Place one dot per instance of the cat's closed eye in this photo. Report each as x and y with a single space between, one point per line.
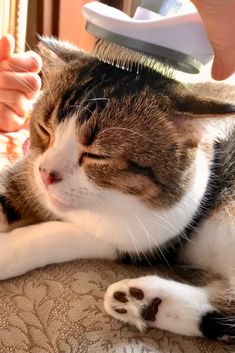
92 156
147 171
44 133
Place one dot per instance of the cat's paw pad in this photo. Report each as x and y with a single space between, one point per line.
129 301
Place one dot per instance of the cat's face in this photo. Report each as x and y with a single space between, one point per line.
100 135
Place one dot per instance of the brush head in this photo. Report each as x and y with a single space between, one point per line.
130 60
138 55
179 41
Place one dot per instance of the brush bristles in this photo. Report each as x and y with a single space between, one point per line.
128 59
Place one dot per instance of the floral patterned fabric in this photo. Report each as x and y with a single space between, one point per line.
59 309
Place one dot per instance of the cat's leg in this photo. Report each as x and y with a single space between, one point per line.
173 306
158 302
19 204
185 309
27 248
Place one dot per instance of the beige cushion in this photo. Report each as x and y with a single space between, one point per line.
59 309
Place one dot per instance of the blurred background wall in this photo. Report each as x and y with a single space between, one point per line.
61 18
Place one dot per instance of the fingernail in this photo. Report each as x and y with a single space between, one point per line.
221 71
36 60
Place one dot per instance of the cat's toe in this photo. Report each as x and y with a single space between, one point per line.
130 303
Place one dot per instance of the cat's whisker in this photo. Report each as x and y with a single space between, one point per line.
82 107
101 202
164 210
123 129
167 222
133 241
9 101
150 236
136 243
12 66
181 234
27 44
28 86
163 226
145 230
47 83
98 99
95 100
76 105
28 192
161 252
19 175
13 28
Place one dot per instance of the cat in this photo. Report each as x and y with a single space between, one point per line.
133 167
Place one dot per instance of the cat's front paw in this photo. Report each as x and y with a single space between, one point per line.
131 301
157 302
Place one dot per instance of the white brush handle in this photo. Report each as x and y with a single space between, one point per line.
184 33
150 9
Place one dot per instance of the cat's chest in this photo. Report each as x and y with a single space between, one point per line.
212 246
132 227
123 222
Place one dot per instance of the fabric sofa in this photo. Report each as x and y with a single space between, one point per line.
59 309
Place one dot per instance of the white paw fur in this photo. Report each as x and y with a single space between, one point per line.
159 303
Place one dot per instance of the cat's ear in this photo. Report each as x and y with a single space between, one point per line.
56 53
199 118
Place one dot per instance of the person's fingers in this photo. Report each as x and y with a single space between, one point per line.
223 64
7 46
19 83
218 18
29 61
27 83
15 100
9 120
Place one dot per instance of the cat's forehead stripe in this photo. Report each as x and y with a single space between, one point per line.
98 82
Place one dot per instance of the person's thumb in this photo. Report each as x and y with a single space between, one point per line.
7 46
223 64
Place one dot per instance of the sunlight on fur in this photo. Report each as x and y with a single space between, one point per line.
130 167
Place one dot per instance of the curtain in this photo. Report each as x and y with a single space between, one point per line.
13 19
61 18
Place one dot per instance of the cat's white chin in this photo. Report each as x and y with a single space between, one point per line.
61 206
57 204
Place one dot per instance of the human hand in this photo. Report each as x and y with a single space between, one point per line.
19 83
219 18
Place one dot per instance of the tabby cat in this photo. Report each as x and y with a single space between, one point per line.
133 167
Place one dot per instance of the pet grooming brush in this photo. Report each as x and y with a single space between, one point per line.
169 32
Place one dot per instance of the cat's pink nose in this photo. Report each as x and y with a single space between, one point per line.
50 178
